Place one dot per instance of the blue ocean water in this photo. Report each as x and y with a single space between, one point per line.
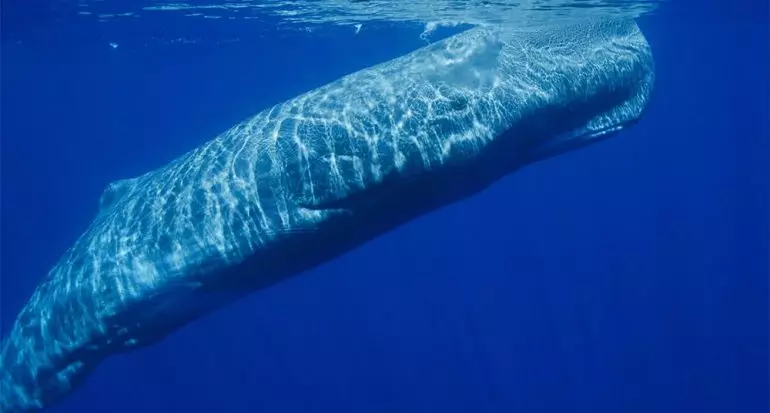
630 275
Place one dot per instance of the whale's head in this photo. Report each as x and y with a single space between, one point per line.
587 95
552 92
582 121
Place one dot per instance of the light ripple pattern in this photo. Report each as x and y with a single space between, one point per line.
431 13
313 177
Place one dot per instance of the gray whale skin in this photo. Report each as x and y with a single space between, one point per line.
313 177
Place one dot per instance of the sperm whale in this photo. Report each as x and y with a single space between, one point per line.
313 177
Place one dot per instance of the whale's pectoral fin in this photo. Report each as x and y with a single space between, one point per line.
114 191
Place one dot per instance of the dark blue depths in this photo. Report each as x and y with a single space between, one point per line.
628 276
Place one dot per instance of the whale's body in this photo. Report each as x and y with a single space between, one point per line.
314 177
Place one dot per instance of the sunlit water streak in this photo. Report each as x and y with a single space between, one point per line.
357 13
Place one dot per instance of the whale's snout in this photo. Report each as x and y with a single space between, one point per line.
610 96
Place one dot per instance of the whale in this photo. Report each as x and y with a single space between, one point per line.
314 177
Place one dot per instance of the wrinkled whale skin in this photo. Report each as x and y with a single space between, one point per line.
313 177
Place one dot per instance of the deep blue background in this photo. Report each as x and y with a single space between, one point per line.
630 276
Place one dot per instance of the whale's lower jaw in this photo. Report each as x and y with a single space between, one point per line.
573 140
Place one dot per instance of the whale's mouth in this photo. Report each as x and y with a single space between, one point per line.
574 139
559 129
